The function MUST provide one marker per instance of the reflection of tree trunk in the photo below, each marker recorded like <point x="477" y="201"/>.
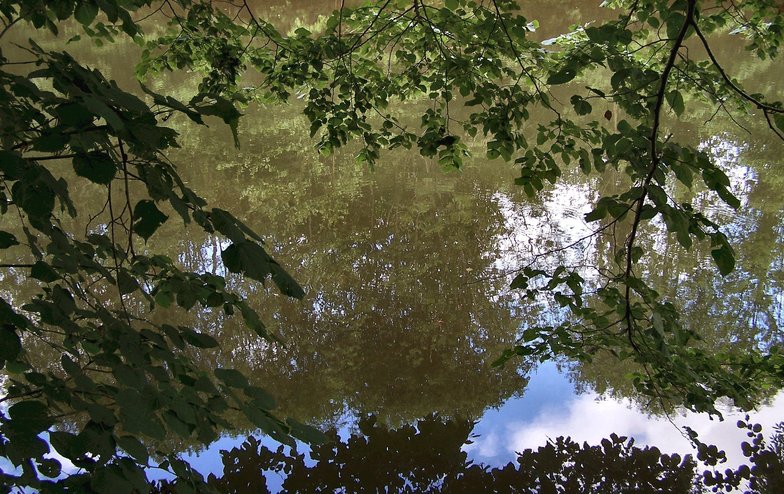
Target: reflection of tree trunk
<point x="615" y="115"/>
<point x="666" y="268"/>
<point x="214" y="255"/>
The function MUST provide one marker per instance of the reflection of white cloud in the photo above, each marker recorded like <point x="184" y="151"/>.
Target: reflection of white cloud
<point x="728" y="155"/>
<point x="531" y="229"/>
<point x="487" y="446"/>
<point x="589" y="418"/>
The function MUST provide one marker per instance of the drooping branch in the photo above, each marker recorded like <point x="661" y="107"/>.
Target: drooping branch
<point x="655" y="161"/>
<point x="767" y="109"/>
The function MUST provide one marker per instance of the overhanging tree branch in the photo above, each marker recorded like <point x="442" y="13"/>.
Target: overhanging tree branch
<point x="655" y="159"/>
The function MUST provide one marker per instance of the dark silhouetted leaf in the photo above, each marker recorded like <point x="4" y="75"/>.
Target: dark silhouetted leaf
<point x="97" y="167"/>
<point x="44" y="272"/>
<point x="232" y="377"/>
<point x="725" y="258"/>
<point x="563" y="76"/>
<point x="7" y="240"/>
<point x="148" y="218"/>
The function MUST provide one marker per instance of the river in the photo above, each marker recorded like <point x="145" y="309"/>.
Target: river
<point x="406" y="268"/>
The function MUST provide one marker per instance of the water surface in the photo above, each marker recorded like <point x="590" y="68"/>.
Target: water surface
<point x="407" y="266"/>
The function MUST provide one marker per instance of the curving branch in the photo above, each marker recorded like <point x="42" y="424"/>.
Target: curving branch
<point x="767" y="109"/>
<point x="655" y="161"/>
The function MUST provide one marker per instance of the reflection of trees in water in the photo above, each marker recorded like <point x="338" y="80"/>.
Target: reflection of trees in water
<point x="390" y="323"/>
<point x="740" y="311"/>
<point x="429" y="457"/>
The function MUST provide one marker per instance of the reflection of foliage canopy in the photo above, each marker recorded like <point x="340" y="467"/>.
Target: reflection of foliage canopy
<point x="477" y="59"/>
<point x="124" y="375"/>
<point x="428" y="457"/>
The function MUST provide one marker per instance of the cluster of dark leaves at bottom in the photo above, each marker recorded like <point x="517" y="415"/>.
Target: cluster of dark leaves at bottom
<point x="430" y="457"/>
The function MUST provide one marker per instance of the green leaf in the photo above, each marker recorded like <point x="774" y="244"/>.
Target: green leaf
<point x="126" y="283"/>
<point x="261" y="397"/>
<point x="10" y="344"/>
<point x="9" y="316"/>
<point x="285" y="283"/>
<point x="252" y="320"/>
<point x="601" y="34"/>
<point x="199" y="340"/>
<point x="36" y="197"/>
<point x="674" y="24"/>
<point x="101" y="109"/>
<point x="728" y="197"/>
<point x="44" y="272"/>
<point x="227" y="224"/>
<point x="232" y="377"/>
<point x="133" y="447"/>
<point x="110" y="479"/>
<point x="174" y="104"/>
<point x="30" y="417"/>
<point x="49" y="467"/>
<point x="67" y="444"/>
<point x="164" y="298"/>
<point x="25" y="447"/>
<point x="85" y="12"/>
<point x="137" y="414"/>
<point x="519" y="281"/>
<point x="210" y="104"/>
<point x="97" y="167"/>
<point x="675" y="100"/>
<point x="7" y="240"/>
<point x="581" y="106"/>
<point x="598" y="213"/>
<point x="725" y="258"/>
<point x="563" y="76"/>
<point x="101" y="415"/>
<point x="306" y="433"/>
<point x="779" y="120"/>
<point x="249" y="258"/>
<point x="12" y="165"/>
<point x="74" y="115"/>
<point x="176" y="425"/>
<point x="148" y="218"/>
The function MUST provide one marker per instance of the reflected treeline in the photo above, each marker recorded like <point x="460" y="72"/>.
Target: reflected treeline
<point x="406" y="301"/>
<point x="394" y="321"/>
<point x="430" y="456"/>
<point x="735" y="313"/>
<point x="406" y="306"/>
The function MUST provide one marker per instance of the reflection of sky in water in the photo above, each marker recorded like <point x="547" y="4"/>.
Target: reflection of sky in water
<point x="531" y="230"/>
<point x="551" y="408"/>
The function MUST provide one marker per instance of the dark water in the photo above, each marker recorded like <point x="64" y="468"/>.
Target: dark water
<point x="406" y="271"/>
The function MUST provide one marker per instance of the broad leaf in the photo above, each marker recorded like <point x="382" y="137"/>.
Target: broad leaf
<point x="97" y="167"/>
<point x="147" y="218"/>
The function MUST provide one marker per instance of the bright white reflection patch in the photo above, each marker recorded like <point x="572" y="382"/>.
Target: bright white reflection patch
<point x="590" y="418"/>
